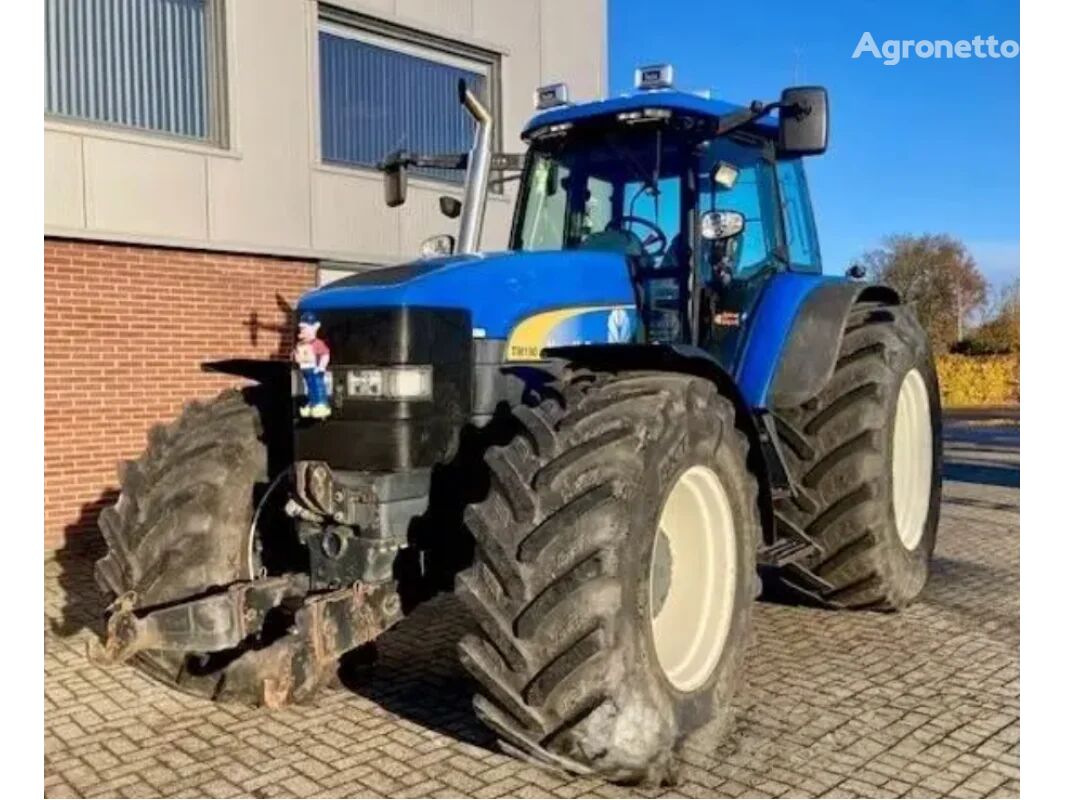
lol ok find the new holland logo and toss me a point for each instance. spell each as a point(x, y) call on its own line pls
point(618, 327)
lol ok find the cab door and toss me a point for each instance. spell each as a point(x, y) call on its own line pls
point(733, 273)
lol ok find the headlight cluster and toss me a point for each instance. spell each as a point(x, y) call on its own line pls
point(390, 383)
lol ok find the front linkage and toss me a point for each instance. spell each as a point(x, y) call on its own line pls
point(326, 626)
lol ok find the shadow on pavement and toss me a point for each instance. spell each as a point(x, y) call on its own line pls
point(988, 455)
point(1011, 413)
point(83, 602)
point(989, 475)
point(417, 675)
point(982, 602)
point(983, 505)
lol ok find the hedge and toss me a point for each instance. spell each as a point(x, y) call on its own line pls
point(979, 380)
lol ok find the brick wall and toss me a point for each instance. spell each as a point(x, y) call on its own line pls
point(125, 332)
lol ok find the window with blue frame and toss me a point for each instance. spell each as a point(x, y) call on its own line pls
point(379, 94)
point(803, 251)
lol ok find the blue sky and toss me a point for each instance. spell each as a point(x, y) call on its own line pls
point(923, 146)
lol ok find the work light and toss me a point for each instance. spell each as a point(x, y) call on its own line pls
point(656, 76)
point(557, 94)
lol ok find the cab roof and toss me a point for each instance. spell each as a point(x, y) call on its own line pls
point(671, 99)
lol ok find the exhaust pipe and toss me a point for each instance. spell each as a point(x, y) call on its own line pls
point(475, 191)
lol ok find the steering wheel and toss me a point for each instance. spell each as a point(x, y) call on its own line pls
point(654, 244)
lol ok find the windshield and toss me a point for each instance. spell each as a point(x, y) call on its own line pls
point(638, 191)
point(620, 191)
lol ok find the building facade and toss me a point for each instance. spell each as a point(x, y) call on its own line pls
point(207, 161)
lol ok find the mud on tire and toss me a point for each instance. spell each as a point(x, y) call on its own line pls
point(564, 658)
point(182, 527)
point(839, 448)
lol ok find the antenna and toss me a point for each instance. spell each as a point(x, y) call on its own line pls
point(798, 66)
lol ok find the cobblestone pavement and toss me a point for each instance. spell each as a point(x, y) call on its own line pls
point(921, 703)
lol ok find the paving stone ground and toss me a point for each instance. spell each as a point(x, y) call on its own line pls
point(922, 703)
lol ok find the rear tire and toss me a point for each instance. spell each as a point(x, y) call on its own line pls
point(567, 659)
point(182, 526)
point(867, 454)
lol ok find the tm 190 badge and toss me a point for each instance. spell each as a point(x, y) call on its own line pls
point(311, 354)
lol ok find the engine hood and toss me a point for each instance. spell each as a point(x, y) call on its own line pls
point(498, 289)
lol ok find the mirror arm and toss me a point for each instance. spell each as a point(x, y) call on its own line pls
point(504, 179)
point(501, 162)
point(402, 158)
point(508, 162)
point(737, 119)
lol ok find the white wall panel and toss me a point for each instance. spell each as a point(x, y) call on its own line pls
point(384, 8)
point(64, 204)
point(500, 22)
point(455, 16)
point(573, 47)
point(264, 195)
point(349, 216)
point(145, 190)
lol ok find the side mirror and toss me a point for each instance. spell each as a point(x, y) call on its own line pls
point(450, 207)
point(436, 246)
point(395, 182)
point(803, 121)
point(717, 225)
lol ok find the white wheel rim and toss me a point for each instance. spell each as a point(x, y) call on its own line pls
point(696, 533)
point(911, 465)
point(253, 567)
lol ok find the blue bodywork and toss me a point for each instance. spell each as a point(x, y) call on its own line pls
point(767, 331)
point(499, 289)
point(502, 289)
point(533, 300)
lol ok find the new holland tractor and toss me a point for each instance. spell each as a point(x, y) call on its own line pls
point(603, 440)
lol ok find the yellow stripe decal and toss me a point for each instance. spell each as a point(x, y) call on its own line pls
point(529, 336)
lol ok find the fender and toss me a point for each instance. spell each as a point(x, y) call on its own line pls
point(794, 336)
point(816, 336)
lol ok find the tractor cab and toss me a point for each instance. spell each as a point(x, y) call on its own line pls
point(704, 199)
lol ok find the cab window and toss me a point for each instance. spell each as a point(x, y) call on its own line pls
point(543, 225)
point(753, 194)
point(803, 251)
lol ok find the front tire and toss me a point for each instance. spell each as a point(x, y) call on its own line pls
point(587, 659)
point(183, 526)
point(867, 453)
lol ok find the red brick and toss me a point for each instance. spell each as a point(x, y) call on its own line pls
point(126, 329)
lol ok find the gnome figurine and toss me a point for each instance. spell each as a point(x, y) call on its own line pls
point(311, 354)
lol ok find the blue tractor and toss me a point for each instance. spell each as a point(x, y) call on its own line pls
point(605, 440)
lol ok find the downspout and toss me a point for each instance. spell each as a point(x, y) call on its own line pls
point(475, 192)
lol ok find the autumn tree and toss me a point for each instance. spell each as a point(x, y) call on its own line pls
point(938, 276)
point(1001, 330)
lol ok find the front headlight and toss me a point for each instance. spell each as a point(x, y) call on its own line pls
point(391, 383)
